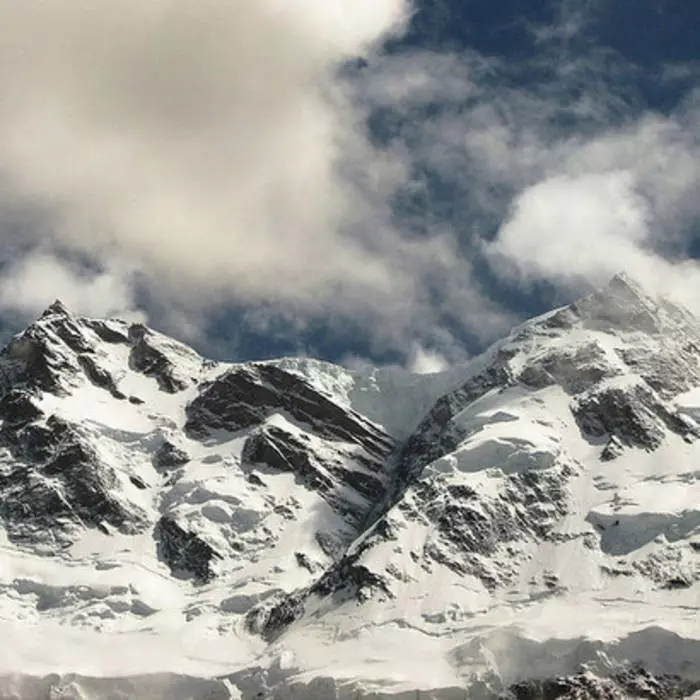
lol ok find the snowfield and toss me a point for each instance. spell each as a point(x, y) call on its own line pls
point(526, 525)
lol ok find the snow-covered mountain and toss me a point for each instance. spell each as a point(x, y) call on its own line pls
point(524, 526)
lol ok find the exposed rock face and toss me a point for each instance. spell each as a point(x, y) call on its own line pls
point(347, 580)
point(621, 413)
point(475, 536)
point(37, 363)
point(112, 333)
point(436, 435)
point(660, 349)
point(632, 416)
point(146, 357)
point(18, 407)
point(623, 685)
point(246, 396)
point(487, 533)
point(269, 621)
point(185, 552)
point(669, 370)
point(574, 370)
point(55, 352)
point(473, 528)
point(99, 376)
point(332, 451)
point(279, 449)
point(169, 456)
point(56, 482)
point(57, 485)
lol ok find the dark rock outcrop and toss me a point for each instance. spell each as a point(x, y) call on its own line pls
point(629, 684)
point(632, 416)
point(280, 450)
point(113, 332)
point(30, 359)
point(574, 370)
point(99, 376)
point(435, 436)
point(269, 621)
point(18, 408)
point(58, 485)
point(53, 352)
point(328, 475)
point(185, 552)
point(244, 397)
point(474, 528)
point(169, 456)
point(146, 358)
point(348, 580)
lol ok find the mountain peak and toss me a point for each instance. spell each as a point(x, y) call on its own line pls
point(142, 485)
point(57, 308)
point(622, 304)
point(623, 284)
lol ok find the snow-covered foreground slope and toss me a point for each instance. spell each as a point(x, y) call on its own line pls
point(524, 526)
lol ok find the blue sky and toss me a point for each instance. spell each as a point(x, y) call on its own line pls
point(632, 52)
point(377, 180)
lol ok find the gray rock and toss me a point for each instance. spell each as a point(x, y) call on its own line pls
point(99, 376)
point(632, 415)
point(168, 456)
point(149, 360)
point(18, 407)
point(57, 486)
point(627, 684)
point(245, 396)
point(185, 552)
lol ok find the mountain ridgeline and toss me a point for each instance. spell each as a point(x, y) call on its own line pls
point(528, 523)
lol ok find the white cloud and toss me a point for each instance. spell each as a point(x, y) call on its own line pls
point(547, 187)
point(574, 228)
point(30, 285)
point(209, 142)
point(213, 147)
point(621, 200)
point(425, 361)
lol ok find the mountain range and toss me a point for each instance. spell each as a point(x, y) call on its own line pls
point(525, 525)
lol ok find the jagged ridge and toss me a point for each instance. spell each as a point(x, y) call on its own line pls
point(293, 513)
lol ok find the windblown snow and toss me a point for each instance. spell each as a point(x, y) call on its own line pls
point(526, 525)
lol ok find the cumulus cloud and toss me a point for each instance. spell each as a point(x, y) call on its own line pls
point(220, 151)
point(577, 231)
point(552, 170)
point(569, 227)
point(623, 199)
point(29, 285)
point(208, 142)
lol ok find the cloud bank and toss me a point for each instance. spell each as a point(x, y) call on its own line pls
point(177, 159)
point(208, 144)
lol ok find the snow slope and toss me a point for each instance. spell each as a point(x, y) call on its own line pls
point(524, 526)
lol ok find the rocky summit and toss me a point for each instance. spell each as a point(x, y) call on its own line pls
point(523, 526)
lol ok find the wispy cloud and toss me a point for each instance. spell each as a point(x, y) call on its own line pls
point(553, 169)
